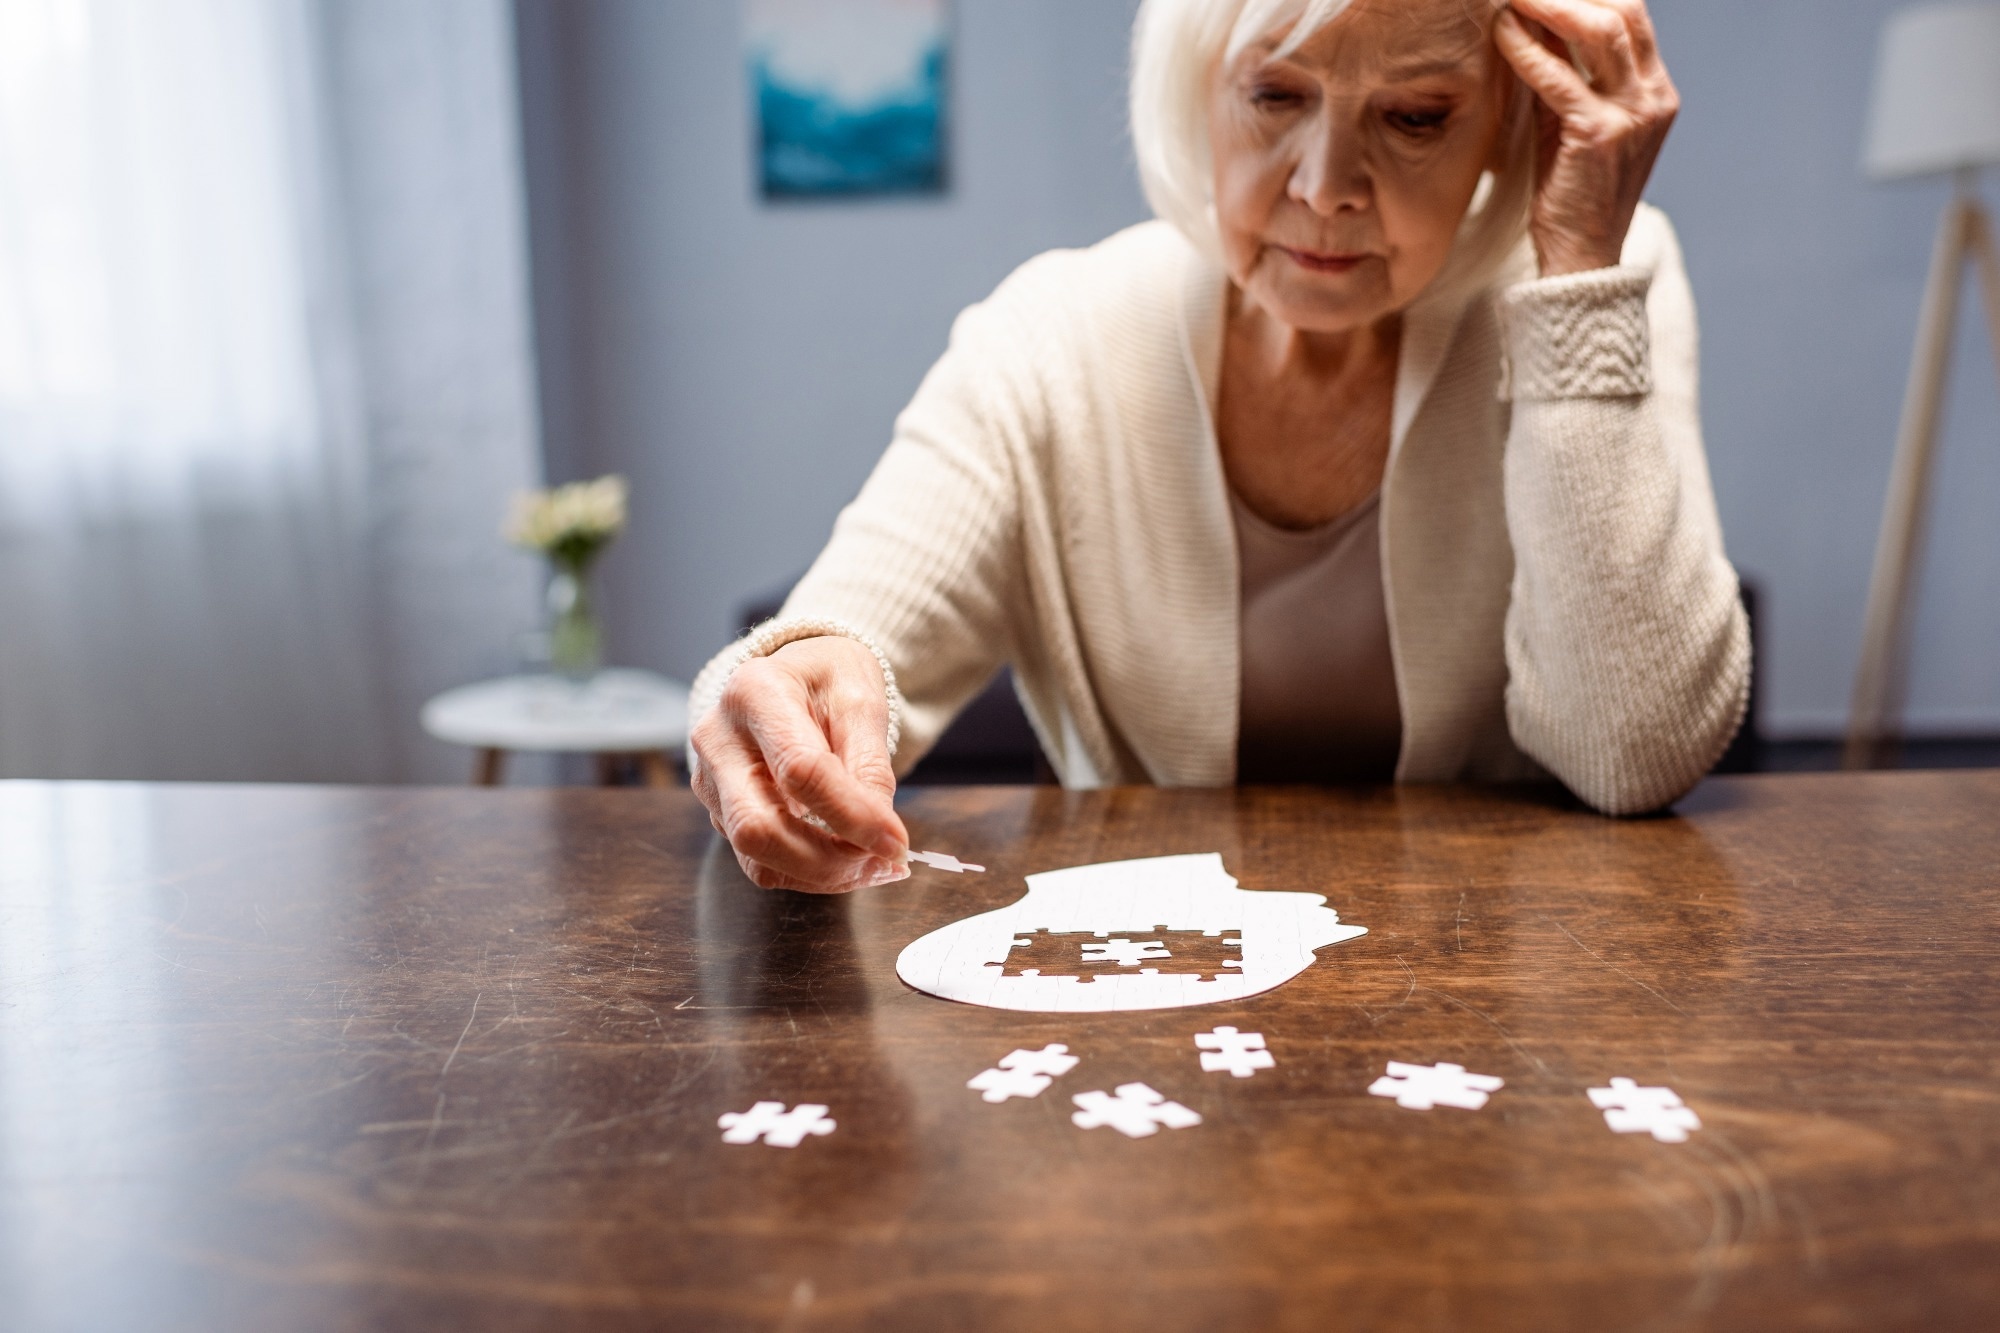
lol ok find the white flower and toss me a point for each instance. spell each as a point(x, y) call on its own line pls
point(583, 516)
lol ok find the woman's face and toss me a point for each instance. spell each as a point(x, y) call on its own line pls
point(1342, 171)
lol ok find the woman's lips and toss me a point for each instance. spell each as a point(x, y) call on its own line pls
point(1318, 262)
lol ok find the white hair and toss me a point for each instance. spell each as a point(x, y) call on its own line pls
point(1176, 44)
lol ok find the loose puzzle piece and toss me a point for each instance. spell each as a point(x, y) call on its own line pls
point(771, 1122)
point(1421, 1087)
point(1136, 1112)
point(1204, 954)
point(944, 861)
point(1023, 1073)
point(1631, 1109)
point(1241, 1053)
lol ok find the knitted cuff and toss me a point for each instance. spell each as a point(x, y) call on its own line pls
point(1581, 335)
point(772, 635)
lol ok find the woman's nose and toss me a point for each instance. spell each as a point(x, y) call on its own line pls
point(1331, 175)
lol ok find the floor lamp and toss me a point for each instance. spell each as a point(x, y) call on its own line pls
point(1936, 109)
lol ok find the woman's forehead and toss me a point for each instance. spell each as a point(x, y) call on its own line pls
point(1398, 38)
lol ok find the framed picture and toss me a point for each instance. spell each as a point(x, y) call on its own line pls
point(850, 95)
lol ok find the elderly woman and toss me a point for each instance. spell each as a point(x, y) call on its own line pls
point(1377, 455)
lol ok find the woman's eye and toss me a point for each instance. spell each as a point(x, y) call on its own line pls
point(1272, 96)
point(1418, 123)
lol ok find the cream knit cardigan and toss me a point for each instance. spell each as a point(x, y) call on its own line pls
point(1559, 601)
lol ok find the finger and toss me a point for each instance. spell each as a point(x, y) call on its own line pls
point(872, 871)
point(1639, 28)
point(766, 878)
point(1553, 79)
point(861, 741)
point(699, 781)
point(1595, 31)
point(802, 764)
point(754, 819)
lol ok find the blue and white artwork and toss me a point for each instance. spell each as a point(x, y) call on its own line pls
point(850, 95)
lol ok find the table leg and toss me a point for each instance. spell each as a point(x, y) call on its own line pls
point(655, 770)
point(489, 765)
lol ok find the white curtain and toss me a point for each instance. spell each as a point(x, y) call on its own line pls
point(264, 382)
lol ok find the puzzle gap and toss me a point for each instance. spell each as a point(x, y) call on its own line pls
point(1087, 955)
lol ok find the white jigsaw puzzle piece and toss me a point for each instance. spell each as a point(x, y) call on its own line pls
point(1423, 1087)
point(1136, 1111)
point(944, 861)
point(1023, 1073)
point(997, 1085)
point(1631, 1109)
point(1241, 1053)
point(1053, 1059)
point(776, 1126)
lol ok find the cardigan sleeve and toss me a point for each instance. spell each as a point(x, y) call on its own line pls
point(923, 565)
point(1628, 652)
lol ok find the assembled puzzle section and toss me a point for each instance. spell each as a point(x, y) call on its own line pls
point(1154, 933)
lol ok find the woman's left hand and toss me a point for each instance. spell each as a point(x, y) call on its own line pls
point(1599, 134)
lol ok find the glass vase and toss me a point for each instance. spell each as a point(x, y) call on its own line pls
point(576, 641)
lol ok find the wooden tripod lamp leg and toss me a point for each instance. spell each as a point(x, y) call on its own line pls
point(1878, 683)
point(1979, 239)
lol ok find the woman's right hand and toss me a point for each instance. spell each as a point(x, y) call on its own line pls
point(804, 732)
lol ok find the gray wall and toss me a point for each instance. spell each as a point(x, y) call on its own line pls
point(742, 364)
point(1808, 280)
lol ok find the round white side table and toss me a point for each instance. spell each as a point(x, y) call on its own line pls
point(623, 717)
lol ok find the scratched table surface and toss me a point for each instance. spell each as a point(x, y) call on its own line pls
point(279, 1058)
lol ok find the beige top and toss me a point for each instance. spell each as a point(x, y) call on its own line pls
point(1558, 598)
point(1319, 682)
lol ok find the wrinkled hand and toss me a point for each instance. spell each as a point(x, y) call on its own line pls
point(1600, 131)
point(804, 732)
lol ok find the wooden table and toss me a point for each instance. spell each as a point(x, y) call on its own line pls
point(316, 1058)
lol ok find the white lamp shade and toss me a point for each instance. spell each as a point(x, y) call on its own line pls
point(1937, 92)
